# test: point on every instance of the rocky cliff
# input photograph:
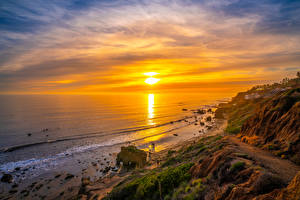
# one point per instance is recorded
(276, 125)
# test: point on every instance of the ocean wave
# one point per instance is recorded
(91, 135)
(44, 162)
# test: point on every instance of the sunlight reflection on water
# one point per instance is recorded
(150, 109)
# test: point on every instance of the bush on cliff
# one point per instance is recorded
(155, 185)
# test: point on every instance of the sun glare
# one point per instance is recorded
(151, 80)
(150, 73)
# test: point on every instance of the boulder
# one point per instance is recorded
(7, 178)
(131, 157)
(208, 118)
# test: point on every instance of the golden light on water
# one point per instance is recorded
(150, 108)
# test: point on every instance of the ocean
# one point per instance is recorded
(44, 133)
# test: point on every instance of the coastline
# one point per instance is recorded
(66, 184)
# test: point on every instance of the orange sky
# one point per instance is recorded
(104, 48)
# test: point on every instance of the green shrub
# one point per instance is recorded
(147, 187)
(238, 166)
(170, 152)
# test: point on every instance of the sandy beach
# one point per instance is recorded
(98, 171)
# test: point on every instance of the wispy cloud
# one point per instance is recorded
(117, 41)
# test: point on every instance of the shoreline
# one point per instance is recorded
(103, 186)
(57, 182)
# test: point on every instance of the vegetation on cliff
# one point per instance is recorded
(210, 168)
(267, 116)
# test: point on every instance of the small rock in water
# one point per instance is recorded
(184, 109)
(17, 168)
(175, 134)
(29, 134)
(7, 178)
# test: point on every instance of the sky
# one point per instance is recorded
(98, 46)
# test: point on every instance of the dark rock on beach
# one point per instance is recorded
(208, 118)
(200, 111)
(69, 176)
(7, 178)
(132, 157)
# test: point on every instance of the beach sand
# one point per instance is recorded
(101, 175)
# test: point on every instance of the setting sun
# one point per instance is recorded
(151, 80)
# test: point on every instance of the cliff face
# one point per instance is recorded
(276, 125)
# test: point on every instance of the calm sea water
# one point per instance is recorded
(60, 125)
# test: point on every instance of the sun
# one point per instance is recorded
(151, 80)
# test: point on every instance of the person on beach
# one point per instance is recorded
(153, 147)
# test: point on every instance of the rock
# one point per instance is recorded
(208, 118)
(29, 134)
(115, 169)
(7, 178)
(13, 191)
(184, 109)
(200, 111)
(132, 157)
(202, 123)
(175, 134)
(17, 168)
(106, 170)
(39, 187)
(219, 114)
(69, 176)
(57, 176)
(209, 127)
(85, 181)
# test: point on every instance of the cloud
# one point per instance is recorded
(62, 40)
